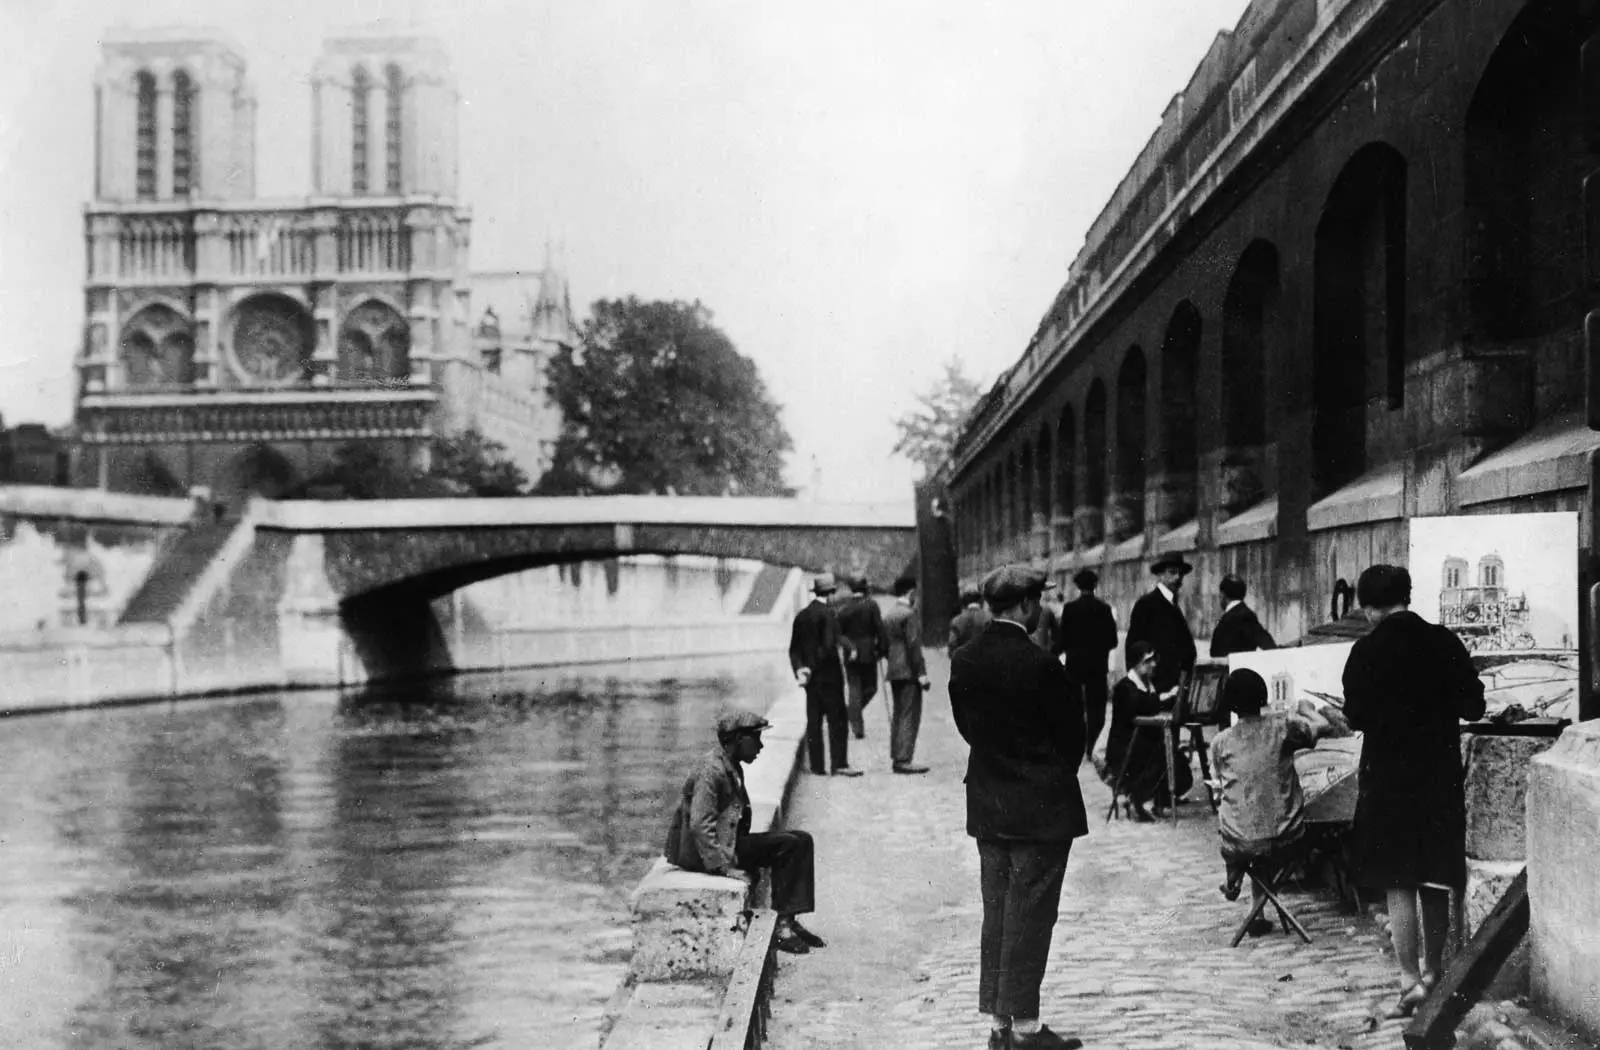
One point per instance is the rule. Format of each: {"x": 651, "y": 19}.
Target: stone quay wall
{"x": 1563, "y": 845}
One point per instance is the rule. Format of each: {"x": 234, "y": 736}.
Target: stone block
{"x": 680, "y": 1015}
{"x": 685, "y": 925}
{"x": 1563, "y": 840}
{"x": 1487, "y": 882}
{"x": 1496, "y": 789}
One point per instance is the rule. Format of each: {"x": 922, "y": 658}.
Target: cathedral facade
{"x": 233, "y": 343}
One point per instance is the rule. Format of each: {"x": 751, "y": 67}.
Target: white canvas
{"x": 1311, "y": 672}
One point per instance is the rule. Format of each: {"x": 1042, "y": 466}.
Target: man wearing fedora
{"x": 1024, "y": 807}
{"x": 815, "y": 648}
{"x": 1088, "y": 634}
{"x": 710, "y": 831}
{"x": 1158, "y": 619}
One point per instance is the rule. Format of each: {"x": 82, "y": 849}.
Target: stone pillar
{"x": 310, "y": 633}
{"x": 164, "y": 136}
{"x": 1563, "y": 842}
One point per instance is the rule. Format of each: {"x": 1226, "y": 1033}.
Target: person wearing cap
{"x": 815, "y": 647}
{"x": 1407, "y": 685}
{"x": 1088, "y": 634}
{"x": 1024, "y": 728}
{"x": 1238, "y": 630}
{"x": 907, "y": 675}
{"x": 1158, "y": 619}
{"x": 861, "y": 622}
{"x": 968, "y": 623}
{"x": 710, "y": 831}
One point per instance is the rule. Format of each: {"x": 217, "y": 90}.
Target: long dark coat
{"x": 1025, "y": 728}
{"x": 1239, "y": 631}
{"x": 1088, "y": 634}
{"x": 1164, "y": 626}
{"x": 1406, "y": 686}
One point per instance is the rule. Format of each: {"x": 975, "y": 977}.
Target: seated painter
{"x": 1262, "y": 811}
{"x": 710, "y": 831}
{"x": 1137, "y": 754}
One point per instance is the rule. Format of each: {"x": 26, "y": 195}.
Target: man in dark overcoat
{"x": 815, "y": 648}
{"x": 968, "y": 623}
{"x": 1025, "y": 730}
{"x": 861, "y": 622}
{"x": 1088, "y": 634}
{"x": 1238, "y": 630}
{"x": 1158, "y": 619}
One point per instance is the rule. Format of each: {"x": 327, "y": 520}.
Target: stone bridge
{"x": 427, "y": 548}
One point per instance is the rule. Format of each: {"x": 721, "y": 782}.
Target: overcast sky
{"x": 859, "y": 190}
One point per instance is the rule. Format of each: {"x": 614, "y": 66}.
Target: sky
{"x": 858, "y": 191}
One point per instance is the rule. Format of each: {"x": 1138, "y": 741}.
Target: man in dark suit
{"x": 861, "y": 621}
{"x": 1025, "y": 730}
{"x": 1158, "y": 619}
{"x": 1088, "y": 634}
{"x": 1238, "y": 630}
{"x": 815, "y": 646}
{"x": 968, "y": 623}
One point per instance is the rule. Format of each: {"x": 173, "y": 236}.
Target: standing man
{"x": 861, "y": 622}
{"x": 1047, "y": 635}
{"x": 908, "y": 675}
{"x": 968, "y": 623}
{"x": 1157, "y": 619}
{"x": 815, "y": 645}
{"x": 1238, "y": 630}
{"x": 1088, "y": 634}
{"x": 1025, "y": 730}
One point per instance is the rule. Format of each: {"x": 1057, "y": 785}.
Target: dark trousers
{"x": 789, "y": 855}
{"x": 862, "y": 683}
{"x": 1096, "y": 698}
{"x": 825, "y": 701}
{"x": 1021, "y": 884}
{"x": 907, "y": 720}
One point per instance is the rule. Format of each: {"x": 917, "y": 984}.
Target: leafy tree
{"x": 928, "y": 433}
{"x": 461, "y": 464}
{"x": 477, "y": 466}
{"x": 657, "y": 400}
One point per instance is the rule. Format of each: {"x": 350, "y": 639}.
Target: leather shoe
{"x": 846, "y": 771}
{"x": 1044, "y": 1039}
{"x": 1259, "y": 926}
{"x": 789, "y": 941}
{"x": 806, "y": 935}
{"x": 906, "y": 767}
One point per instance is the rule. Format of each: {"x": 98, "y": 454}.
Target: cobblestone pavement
{"x": 1140, "y": 958}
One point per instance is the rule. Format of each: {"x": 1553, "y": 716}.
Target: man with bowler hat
{"x": 815, "y": 647}
{"x": 1088, "y": 634}
{"x": 1025, "y": 730}
{"x": 1158, "y": 619}
{"x": 710, "y": 831}
{"x": 1238, "y": 630}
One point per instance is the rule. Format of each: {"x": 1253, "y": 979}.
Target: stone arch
{"x": 1180, "y": 446}
{"x": 1066, "y": 501}
{"x": 1526, "y": 155}
{"x": 374, "y": 345}
{"x": 1249, "y": 313}
{"x": 259, "y": 470}
{"x": 272, "y": 339}
{"x": 1027, "y": 488}
{"x": 1359, "y": 310}
{"x": 1096, "y": 453}
{"x": 156, "y": 349}
{"x": 1044, "y": 466}
{"x": 1127, "y": 507}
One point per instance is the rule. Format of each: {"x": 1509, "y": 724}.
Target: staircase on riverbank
{"x": 175, "y": 573}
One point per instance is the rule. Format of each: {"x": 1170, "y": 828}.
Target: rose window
{"x": 272, "y": 341}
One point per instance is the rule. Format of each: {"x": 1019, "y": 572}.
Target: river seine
{"x": 444, "y": 865}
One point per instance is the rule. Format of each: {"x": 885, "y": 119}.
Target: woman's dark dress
{"x": 1406, "y": 686}
{"x": 1146, "y": 777}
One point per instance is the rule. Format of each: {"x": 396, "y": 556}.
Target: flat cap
{"x": 1010, "y": 584}
{"x": 738, "y": 720}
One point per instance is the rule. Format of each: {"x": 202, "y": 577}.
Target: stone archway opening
{"x": 374, "y": 346}
{"x": 156, "y": 349}
{"x": 1180, "y": 449}
{"x": 259, "y": 470}
{"x": 1128, "y": 503}
{"x": 1096, "y": 452}
{"x": 1067, "y": 479}
{"x": 1249, "y": 312}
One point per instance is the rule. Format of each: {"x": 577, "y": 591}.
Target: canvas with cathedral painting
{"x": 1504, "y": 584}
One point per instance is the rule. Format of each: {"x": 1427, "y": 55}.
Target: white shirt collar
{"x": 1138, "y": 679}
{"x": 1230, "y": 605}
{"x": 903, "y": 600}
{"x": 1170, "y": 596}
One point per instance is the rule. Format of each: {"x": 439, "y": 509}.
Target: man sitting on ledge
{"x": 710, "y": 831}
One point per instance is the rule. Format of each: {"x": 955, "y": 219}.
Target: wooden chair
{"x": 1264, "y": 875}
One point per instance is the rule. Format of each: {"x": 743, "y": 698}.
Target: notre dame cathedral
{"x": 235, "y": 343}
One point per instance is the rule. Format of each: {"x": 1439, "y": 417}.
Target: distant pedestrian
{"x": 1047, "y": 634}
{"x": 968, "y": 623}
{"x": 1157, "y": 618}
{"x": 1024, "y": 807}
{"x": 710, "y": 831}
{"x": 1088, "y": 634}
{"x": 861, "y": 622}
{"x": 1238, "y": 630}
{"x": 907, "y": 674}
{"x": 815, "y": 649}
{"x": 1407, "y": 685}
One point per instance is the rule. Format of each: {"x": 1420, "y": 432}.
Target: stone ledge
{"x": 1563, "y": 809}
{"x": 1507, "y": 1025}
{"x": 1496, "y": 794}
{"x": 676, "y": 1015}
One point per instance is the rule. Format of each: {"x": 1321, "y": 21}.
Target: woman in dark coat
{"x": 1407, "y": 685}
{"x": 1146, "y": 776}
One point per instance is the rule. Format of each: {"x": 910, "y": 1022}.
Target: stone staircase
{"x": 175, "y": 573}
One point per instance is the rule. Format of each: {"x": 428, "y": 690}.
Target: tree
{"x": 657, "y": 400}
{"x": 928, "y": 433}
{"x": 461, "y": 464}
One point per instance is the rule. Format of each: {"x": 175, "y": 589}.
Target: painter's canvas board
{"x": 1309, "y": 672}
{"x": 1505, "y": 583}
